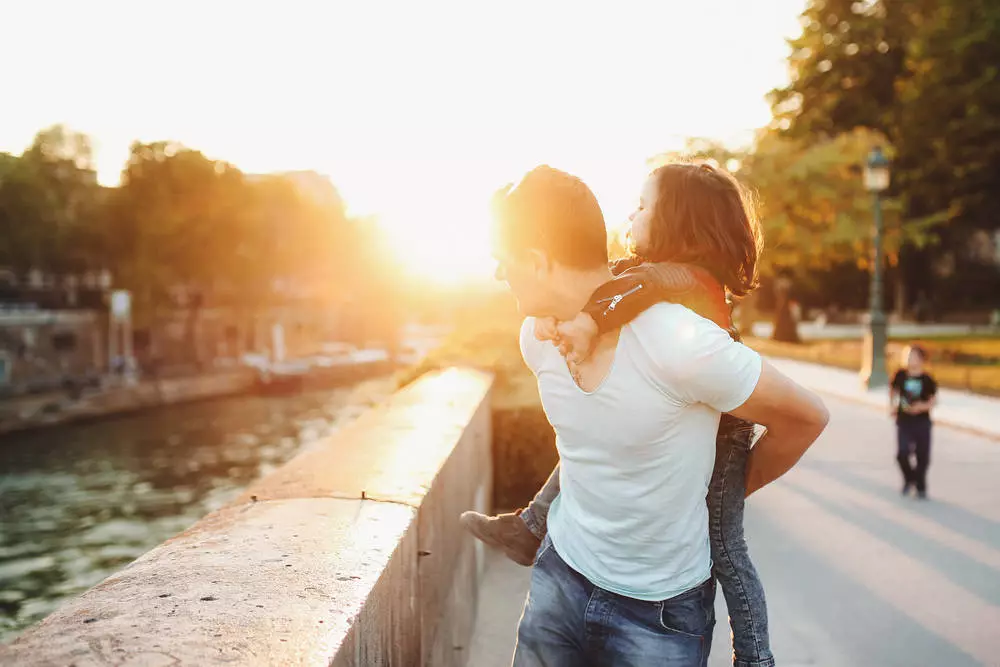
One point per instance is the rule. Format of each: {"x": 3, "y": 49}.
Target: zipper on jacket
{"x": 616, "y": 299}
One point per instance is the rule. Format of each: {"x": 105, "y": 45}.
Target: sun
{"x": 436, "y": 228}
{"x": 445, "y": 250}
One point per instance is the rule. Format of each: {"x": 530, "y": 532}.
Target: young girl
{"x": 913, "y": 394}
{"x": 676, "y": 259}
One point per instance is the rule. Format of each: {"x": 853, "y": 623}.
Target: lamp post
{"x": 876, "y": 180}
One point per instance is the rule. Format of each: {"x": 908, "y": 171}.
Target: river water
{"x": 79, "y": 502}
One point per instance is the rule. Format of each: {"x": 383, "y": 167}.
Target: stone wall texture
{"x": 349, "y": 555}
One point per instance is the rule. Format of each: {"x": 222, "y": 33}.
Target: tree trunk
{"x": 785, "y": 328}
{"x": 900, "y": 305}
{"x": 747, "y": 314}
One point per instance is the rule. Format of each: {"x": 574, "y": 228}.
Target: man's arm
{"x": 794, "y": 418}
{"x": 700, "y": 363}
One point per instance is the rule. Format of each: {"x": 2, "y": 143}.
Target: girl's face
{"x": 642, "y": 216}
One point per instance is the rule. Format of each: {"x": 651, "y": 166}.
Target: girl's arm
{"x": 620, "y": 300}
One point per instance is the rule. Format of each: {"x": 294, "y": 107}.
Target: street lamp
{"x": 873, "y": 374}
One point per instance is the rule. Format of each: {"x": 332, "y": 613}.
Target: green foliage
{"x": 179, "y": 222}
{"x": 49, "y": 201}
{"x": 813, "y": 208}
{"x": 924, "y": 74}
{"x": 845, "y": 66}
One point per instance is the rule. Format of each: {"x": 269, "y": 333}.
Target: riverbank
{"x": 54, "y": 408}
{"x": 80, "y": 501}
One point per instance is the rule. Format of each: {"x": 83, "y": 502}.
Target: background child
{"x": 912, "y": 395}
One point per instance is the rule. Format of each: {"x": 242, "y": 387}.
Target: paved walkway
{"x": 960, "y": 409}
{"x": 856, "y": 575}
{"x": 819, "y": 331}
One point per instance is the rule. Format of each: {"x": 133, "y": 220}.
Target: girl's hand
{"x": 577, "y": 338}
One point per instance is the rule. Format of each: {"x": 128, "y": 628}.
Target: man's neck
{"x": 576, "y": 290}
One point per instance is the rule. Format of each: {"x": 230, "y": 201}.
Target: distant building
{"x": 53, "y": 331}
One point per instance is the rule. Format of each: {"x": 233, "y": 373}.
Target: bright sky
{"x": 416, "y": 110}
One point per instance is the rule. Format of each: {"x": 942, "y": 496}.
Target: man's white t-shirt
{"x": 637, "y": 452}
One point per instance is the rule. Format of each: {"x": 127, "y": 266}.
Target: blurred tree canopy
{"x": 814, "y": 210}
{"x": 180, "y": 223}
{"x": 49, "y": 203}
{"x": 924, "y": 74}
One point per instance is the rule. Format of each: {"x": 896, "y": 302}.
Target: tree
{"x": 181, "y": 222}
{"x": 949, "y": 123}
{"x": 49, "y": 204}
{"x": 174, "y": 222}
{"x": 923, "y": 74}
{"x": 814, "y": 210}
{"x": 183, "y": 227}
{"x": 844, "y": 67}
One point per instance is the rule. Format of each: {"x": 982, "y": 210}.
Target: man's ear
{"x": 541, "y": 265}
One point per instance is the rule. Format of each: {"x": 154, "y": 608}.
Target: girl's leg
{"x": 519, "y": 534}
{"x": 732, "y": 566}
{"x": 536, "y": 514}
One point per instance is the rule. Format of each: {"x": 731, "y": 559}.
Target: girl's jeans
{"x": 731, "y": 563}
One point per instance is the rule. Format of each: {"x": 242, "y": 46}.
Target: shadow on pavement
{"x": 953, "y": 517}
{"x": 821, "y": 616}
{"x": 977, "y": 578}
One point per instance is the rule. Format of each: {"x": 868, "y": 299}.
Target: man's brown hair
{"x": 551, "y": 211}
{"x": 704, "y": 216}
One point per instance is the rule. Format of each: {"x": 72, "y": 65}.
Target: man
{"x": 623, "y": 577}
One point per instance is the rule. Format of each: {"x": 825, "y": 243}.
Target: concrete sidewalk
{"x": 959, "y": 409}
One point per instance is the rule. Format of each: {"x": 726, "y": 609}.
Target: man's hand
{"x": 545, "y": 328}
{"x": 577, "y": 338}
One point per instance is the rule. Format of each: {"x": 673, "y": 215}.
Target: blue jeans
{"x": 731, "y": 563}
{"x": 569, "y": 622}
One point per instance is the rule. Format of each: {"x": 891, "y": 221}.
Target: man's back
{"x": 637, "y": 452}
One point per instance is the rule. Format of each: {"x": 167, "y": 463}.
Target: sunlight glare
{"x": 442, "y": 249}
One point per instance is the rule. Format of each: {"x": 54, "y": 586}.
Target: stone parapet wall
{"x": 351, "y": 554}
